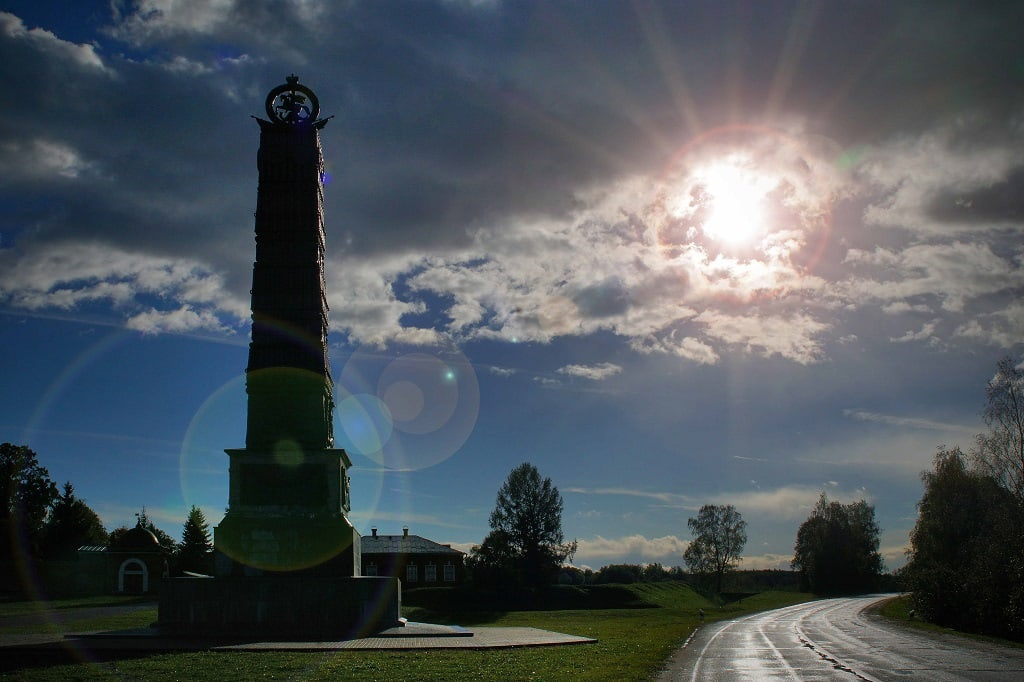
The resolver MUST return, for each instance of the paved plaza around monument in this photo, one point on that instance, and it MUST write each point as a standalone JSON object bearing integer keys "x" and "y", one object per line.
{"x": 414, "y": 636}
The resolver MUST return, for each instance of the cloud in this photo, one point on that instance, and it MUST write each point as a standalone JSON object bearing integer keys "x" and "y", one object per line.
{"x": 594, "y": 372}
{"x": 179, "y": 321}
{"x": 785, "y": 502}
{"x": 481, "y": 195}
{"x": 911, "y": 422}
{"x": 66, "y": 275}
{"x": 632, "y": 548}
{"x": 791, "y": 337}
{"x": 954, "y": 273}
{"x": 41, "y": 159}
{"x": 81, "y": 57}
{"x": 666, "y": 499}
{"x": 765, "y": 562}
{"x": 935, "y": 184}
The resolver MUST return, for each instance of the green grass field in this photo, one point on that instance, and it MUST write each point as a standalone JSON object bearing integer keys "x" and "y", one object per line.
{"x": 632, "y": 645}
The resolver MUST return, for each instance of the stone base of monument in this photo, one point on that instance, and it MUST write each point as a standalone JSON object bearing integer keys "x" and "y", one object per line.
{"x": 280, "y": 607}
{"x": 266, "y": 540}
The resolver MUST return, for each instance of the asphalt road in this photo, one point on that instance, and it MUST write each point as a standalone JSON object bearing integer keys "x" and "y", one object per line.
{"x": 836, "y": 639}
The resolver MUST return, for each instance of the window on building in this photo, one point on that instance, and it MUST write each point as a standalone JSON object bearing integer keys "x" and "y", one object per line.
{"x": 412, "y": 573}
{"x": 449, "y": 573}
{"x": 430, "y": 573}
{"x": 371, "y": 569}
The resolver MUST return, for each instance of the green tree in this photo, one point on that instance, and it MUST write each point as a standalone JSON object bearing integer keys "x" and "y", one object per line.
{"x": 625, "y": 574}
{"x": 719, "y": 536}
{"x": 1000, "y": 452}
{"x": 526, "y": 528}
{"x": 492, "y": 563}
{"x": 964, "y": 566}
{"x": 836, "y": 548}
{"x": 26, "y": 493}
{"x": 194, "y": 553}
{"x": 70, "y": 525}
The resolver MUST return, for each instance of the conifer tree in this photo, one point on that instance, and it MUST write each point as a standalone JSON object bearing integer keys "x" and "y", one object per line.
{"x": 194, "y": 554}
{"x": 70, "y": 525}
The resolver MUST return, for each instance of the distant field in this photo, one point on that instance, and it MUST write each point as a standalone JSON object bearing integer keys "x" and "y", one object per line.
{"x": 632, "y": 645}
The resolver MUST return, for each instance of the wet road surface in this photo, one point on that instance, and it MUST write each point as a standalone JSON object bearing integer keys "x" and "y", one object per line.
{"x": 836, "y": 639}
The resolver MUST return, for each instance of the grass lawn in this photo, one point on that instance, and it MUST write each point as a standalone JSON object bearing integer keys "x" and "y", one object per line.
{"x": 632, "y": 645}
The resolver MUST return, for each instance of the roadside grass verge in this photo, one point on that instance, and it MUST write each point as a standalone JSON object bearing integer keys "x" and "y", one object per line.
{"x": 632, "y": 645}
{"x": 898, "y": 610}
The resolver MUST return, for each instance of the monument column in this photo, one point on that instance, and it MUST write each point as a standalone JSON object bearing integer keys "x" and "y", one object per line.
{"x": 286, "y": 556}
{"x": 289, "y": 487}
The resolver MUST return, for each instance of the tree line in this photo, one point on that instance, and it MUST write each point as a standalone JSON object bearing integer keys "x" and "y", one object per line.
{"x": 836, "y": 548}
{"x": 41, "y": 522}
{"x": 965, "y": 564}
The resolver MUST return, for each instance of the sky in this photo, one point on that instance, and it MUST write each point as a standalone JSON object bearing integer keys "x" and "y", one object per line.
{"x": 670, "y": 253}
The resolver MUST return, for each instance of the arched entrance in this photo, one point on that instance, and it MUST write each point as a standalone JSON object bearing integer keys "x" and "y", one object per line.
{"x": 133, "y": 577}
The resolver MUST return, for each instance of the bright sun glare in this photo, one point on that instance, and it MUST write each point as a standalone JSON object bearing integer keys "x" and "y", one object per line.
{"x": 736, "y": 202}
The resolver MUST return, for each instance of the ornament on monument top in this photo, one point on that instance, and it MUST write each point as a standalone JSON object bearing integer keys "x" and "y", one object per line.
{"x": 292, "y": 103}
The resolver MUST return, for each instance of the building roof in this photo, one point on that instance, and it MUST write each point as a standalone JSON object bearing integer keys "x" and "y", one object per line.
{"x": 403, "y": 544}
{"x": 137, "y": 539}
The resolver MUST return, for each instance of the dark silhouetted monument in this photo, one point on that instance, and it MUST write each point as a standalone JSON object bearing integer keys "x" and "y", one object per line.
{"x": 287, "y": 558}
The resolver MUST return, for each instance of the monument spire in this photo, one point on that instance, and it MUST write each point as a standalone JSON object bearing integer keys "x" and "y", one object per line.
{"x": 289, "y": 485}
{"x": 286, "y": 557}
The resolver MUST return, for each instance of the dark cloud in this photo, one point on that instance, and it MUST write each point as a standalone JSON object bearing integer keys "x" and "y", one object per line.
{"x": 456, "y": 122}
{"x": 1001, "y": 203}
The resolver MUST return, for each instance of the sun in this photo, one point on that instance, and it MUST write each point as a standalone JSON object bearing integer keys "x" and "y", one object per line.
{"x": 735, "y": 203}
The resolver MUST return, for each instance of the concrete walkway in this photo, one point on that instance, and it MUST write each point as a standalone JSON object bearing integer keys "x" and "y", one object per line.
{"x": 411, "y": 637}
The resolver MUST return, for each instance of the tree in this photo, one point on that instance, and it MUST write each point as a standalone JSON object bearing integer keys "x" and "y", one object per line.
{"x": 526, "y": 530}
{"x": 26, "y": 493}
{"x": 625, "y": 574}
{"x": 964, "y": 567}
{"x": 719, "y": 536}
{"x": 1000, "y": 452}
{"x": 70, "y": 525}
{"x": 492, "y": 562}
{"x": 836, "y": 548}
{"x": 194, "y": 552}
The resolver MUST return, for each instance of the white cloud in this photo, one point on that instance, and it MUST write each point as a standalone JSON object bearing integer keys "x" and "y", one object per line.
{"x": 616, "y": 264}
{"x": 594, "y": 372}
{"x": 150, "y": 19}
{"x": 666, "y": 499}
{"x": 911, "y": 422}
{"x": 632, "y": 548}
{"x": 40, "y": 159}
{"x": 914, "y": 172}
{"x": 786, "y": 502}
{"x": 1002, "y": 328}
{"x": 925, "y": 333}
{"x": 179, "y": 321}
{"x": 66, "y": 275}
{"x": 955, "y": 273}
{"x": 73, "y": 54}
{"x": 792, "y": 336}
{"x": 764, "y": 562}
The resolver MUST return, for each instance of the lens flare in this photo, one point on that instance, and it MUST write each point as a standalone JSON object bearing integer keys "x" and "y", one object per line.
{"x": 408, "y": 412}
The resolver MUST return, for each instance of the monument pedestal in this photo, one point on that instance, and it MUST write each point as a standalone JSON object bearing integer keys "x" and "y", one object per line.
{"x": 280, "y": 607}
{"x": 254, "y": 544}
